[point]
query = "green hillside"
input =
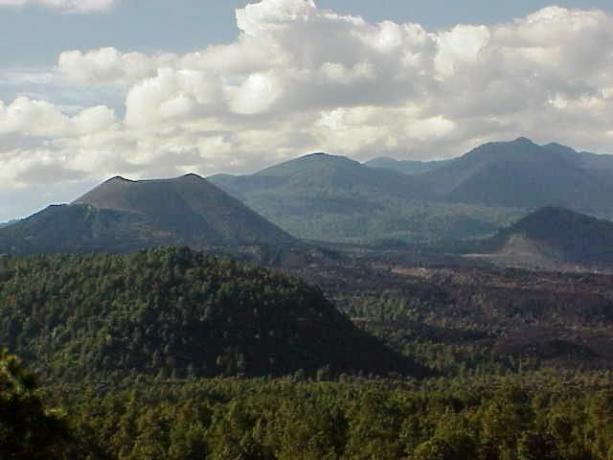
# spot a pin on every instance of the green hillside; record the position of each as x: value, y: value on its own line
x: 176, y: 312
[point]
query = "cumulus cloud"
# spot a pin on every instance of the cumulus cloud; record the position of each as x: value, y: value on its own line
x: 74, y: 6
x: 171, y: 96
x: 109, y: 66
x: 299, y: 78
x: 32, y: 118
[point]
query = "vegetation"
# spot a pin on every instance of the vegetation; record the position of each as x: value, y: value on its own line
x: 469, y: 321
x: 28, y: 430
x: 176, y: 312
x: 138, y: 351
x: 547, y: 417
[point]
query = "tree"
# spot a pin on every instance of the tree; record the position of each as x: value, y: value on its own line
x: 27, y: 428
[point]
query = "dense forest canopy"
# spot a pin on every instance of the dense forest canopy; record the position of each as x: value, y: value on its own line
x: 547, y: 417
x: 176, y: 312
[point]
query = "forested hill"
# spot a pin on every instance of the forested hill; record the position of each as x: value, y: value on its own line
x: 175, y: 312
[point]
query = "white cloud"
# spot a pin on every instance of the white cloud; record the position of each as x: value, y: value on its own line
x: 460, y: 45
x: 256, y: 94
x: 109, y: 66
x: 32, y: 118
x: 171, y: 96
x: 263, y: 18
x: 299, y: 78
x: 73, y: 6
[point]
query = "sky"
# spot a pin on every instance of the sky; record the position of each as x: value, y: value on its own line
x: 155, y: 88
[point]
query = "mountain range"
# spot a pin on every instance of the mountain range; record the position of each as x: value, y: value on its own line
x: 328, y: 197
x: 332, y: 198
x: 522, y: 174
x: 519, y: 174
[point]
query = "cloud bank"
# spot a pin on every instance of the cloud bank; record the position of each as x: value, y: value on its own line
x: 299, y: 78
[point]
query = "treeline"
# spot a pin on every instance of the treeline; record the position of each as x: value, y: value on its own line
x: 293, y: 419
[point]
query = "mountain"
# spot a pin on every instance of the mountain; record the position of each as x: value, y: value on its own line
x: 328, y: 198
x: 522, y: 174
x: 179, y: 313
x: 317, y: 172
x: 556, y: 239
x: 121, y: 215
x: 332, y: 198
x: 408, y: 167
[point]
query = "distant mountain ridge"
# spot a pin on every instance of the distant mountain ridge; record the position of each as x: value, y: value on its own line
x: 316, y: 170
x: 121, y: 215
x: 521, y: 174
x: 333, y: 198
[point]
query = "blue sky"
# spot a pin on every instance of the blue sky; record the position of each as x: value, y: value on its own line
x: 90, y: 89
x: 34, y: 36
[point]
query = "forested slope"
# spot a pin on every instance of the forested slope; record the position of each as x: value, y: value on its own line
x: 176, y: 313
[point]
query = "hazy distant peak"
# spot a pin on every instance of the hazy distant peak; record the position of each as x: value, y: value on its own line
x: 117, y: 179
x: 557, y: 145
x: 523, y: 140
x: 559, y: 148
x: 322, y: 156
x: 123, y: 180
x: 307, y: 163
x: 520, y: 148
x: 192, y: 176
x: 519, y: 142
